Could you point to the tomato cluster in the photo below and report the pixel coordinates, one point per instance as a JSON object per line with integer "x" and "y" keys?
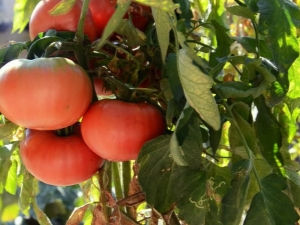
{"x": 50, "y": 95}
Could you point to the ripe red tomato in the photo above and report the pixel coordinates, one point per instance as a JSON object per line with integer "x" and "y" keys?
{"x": 41, "y": 20}
{"x": 44, "y": 93}
{"x": 117, "y": 130}
{"x": 99, "y": 87}
{"x": 102, "y": 10}
{"x": 58, "y": 160}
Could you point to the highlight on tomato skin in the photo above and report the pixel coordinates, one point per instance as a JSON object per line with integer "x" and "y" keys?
{"x": 58, "y": 160}
{"x": 117, "y": 130}
{"x": 41, "y": 20}
{"x": 44, "y": 93}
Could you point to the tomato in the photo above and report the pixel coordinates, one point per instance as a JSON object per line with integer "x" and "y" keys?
{"x": 99, "y": 87}
{"x": 44, "y": 93}
{"x": 41, "y": 20}
{"x": 58, "y": 160}
{"x": 117, "y": 130}
{"x": 102, "y": 10}
{"x": 139, "y": 15}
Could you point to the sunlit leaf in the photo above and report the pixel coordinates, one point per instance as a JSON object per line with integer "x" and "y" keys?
{"x": 164, "y": 25}
{"x": 7, "y": 130}
{"x": 29, "y": 189}
{"x": 9, "y": 213}
{"x": 12, "y": 179}
{"x": 166, "y": 5}
{"x": 196, "y": 86}
{"x": 22, "y": 13}
{"x": 276, "y": 23}
{"x": 77, "y": 215}
{"x": 241, "y": 11}
{"x": 63, "y": 7}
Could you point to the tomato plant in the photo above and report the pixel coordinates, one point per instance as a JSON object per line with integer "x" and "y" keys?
{"x": 117, "y": 130}
{"x": 224, "y": 73}
{"x": 42, "y": 20}
{"x": 58, "y": 160}
{"x": 44, "y": 93}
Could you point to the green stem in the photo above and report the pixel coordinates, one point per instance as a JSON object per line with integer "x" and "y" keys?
{"x": 117, "y": 180}
{"x": 126, "y": 175}
{"x": 80, "y": 29}
{"x": 256, "y": 38}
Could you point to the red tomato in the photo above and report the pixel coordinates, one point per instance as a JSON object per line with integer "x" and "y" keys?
{"x": 57, "y": 160}
{"x": 44, "y": 93}
{"x": 41, "y": 20}
{"x": 102, "y": 10}
{"x": 117, "y": 130}
{"x": 99, "y": 87}
{"x": 139, "y": 15}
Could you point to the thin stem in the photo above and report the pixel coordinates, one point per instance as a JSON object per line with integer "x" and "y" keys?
{"x": 240, "y": 3}
{"x": 256, "y": 38}
{"x": 117, "y": 180}
{"x": 235, "y": 67}
{"x": 80, "y": 29}
{"x": 126, "y": 175}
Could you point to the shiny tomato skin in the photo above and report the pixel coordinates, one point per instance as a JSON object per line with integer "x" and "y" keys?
{"x": 99, "y": 87}
{"x": 44, "y": 93}
{"x": 60, "y": 161}
{"x": 101, "y": 11}
{"x": 41, "y": 20}
{"x": 117, "y": 130}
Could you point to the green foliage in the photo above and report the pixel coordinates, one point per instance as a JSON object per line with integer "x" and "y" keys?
{"x": 227, "y": 79}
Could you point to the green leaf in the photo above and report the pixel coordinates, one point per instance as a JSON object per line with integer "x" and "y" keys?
{"x": 63, "y": 7}
{"x": 192, "y": 200}
{"x": 293, "y": 94}
{"x": 241, "y": 11}
{"x": 268, "y": 134}
{"x": 191, "y": 143}
{"x": 234, "y": 201}
{"x": 223, "y": 42}
{"x": 156, "y": 173}
{"x": 249, "y": 43}
{"x": 271, "y": 206}
{"x": 135, "y": 37}
{"x": 241, "y": 116}
{"x": 40, "y": 215}
{"x": 7, "y": 130}
{"x": 22, "y": 12}
{"x": 37, "y": 49}
{"x": 276, "y": 23}
{"x": 196, "y": 86}
{"x": 29, "y": 189}
{"x": 9, "y": 213}
{"x": 172, "y": 73}
{"x": 12, "y": 52}
{"x": 164, "y": 25}
{"x": 166, "y": 5}
{"x": 12, "y": 178}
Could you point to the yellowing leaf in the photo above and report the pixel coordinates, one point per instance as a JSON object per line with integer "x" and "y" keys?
{"x": 196, "y": 86}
